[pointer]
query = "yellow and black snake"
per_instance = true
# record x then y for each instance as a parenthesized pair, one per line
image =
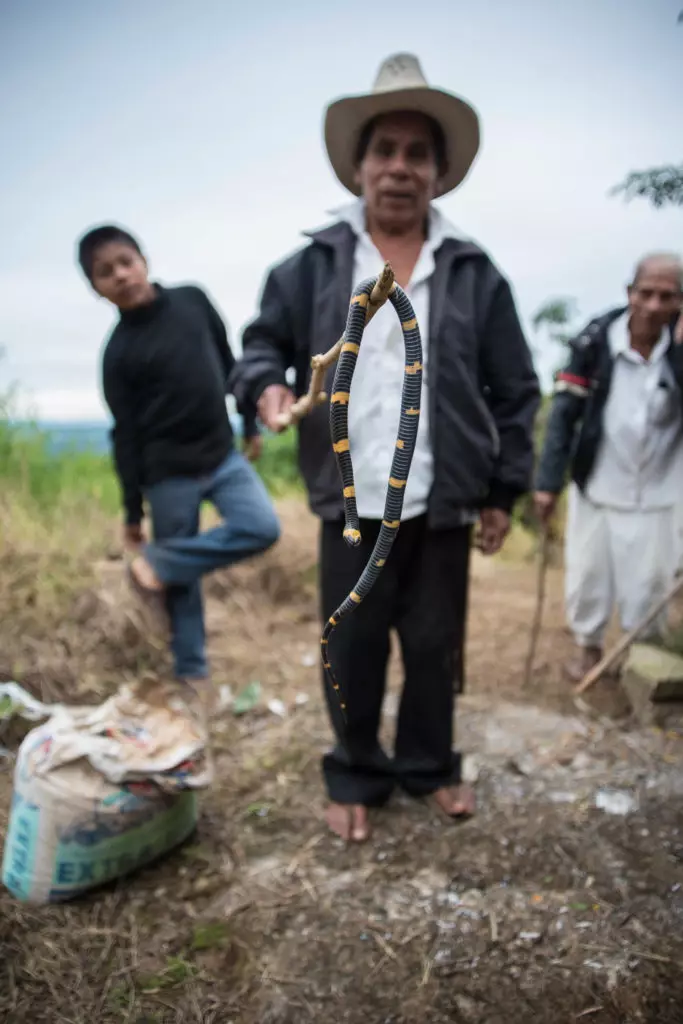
(403, 453)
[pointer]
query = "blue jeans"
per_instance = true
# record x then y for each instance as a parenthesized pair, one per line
(180, 555)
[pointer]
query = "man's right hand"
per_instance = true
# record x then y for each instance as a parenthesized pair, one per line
(544, 505)
(274, 403)
(133, 536)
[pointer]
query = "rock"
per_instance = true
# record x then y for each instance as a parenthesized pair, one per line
(615, 801)
(428, 882)
(581, 762)
(525, 765)
(471, 768)
(467, 1007)
(653, 682)
(513, 730)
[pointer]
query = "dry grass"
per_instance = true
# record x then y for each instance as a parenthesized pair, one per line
(69, 630)
(263, 918)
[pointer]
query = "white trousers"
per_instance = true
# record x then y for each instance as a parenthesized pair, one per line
(613, 557)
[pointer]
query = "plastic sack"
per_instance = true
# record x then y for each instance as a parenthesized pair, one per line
(99, 792)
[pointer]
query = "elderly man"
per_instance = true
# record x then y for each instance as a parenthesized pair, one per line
(397, 149)
(616, 426)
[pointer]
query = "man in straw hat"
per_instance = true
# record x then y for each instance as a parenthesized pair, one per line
(396, 149)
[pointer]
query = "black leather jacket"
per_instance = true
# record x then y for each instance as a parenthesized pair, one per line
(482, 407)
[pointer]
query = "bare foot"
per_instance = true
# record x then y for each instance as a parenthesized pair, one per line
(349, 821)
(456, 801)
(151, 595)
(144, 574)
(583, 661)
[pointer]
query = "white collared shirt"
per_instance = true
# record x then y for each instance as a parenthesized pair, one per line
(375, 405)
(640, 459)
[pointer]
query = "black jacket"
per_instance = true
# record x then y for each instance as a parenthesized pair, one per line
(574, 429)
(482, 408)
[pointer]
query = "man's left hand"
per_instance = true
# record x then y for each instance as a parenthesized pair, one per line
(494, 528)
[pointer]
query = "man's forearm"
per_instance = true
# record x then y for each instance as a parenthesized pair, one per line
(555, 456)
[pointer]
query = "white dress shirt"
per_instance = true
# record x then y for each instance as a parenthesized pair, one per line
(375, 405)
(640, 459)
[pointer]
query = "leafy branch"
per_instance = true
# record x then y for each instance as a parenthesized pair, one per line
(662, 186)
(556, 315)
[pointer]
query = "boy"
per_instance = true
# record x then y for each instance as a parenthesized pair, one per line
(164, 373)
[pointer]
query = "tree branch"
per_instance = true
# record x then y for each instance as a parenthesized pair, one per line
(661, 186)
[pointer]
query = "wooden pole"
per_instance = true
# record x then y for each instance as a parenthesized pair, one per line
(595, 673)
(543, 558)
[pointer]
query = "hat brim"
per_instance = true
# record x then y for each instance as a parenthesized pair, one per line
(346, 118)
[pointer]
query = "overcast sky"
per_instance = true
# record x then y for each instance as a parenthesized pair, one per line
(201, 130)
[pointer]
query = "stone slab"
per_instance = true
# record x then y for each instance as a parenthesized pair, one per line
(652, 679)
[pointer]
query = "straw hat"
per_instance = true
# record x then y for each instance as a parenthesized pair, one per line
(401, 85)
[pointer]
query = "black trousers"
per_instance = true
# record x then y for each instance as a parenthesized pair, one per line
(422, 593)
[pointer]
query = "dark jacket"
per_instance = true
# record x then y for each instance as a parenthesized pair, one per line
(575, 423)
(482, 407)
(165, 374)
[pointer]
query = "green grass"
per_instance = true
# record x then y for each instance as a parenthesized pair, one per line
(42, 481)
(278, 464)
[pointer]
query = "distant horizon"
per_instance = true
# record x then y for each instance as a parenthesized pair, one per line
(56, 423)
(50, 421)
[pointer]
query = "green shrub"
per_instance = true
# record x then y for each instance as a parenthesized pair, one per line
(39, 478)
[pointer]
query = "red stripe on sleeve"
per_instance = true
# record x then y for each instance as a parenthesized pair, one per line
(570, 378)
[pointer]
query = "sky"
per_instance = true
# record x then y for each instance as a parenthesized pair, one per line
(200, 129)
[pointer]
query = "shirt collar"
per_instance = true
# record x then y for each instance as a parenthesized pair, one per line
(143, 314)
(620, 343)
(438, 228)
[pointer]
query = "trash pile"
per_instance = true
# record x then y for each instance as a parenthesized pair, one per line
(100, 791)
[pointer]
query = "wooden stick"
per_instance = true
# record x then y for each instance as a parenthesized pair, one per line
(319, 364)
(595, 673)
(543, 558)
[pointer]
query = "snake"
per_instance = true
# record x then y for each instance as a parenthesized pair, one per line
(403, 449)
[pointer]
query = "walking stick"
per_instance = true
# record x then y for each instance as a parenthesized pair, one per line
(543, 559)
(595, 673)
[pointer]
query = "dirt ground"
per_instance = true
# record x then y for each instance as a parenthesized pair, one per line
(551, 906)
